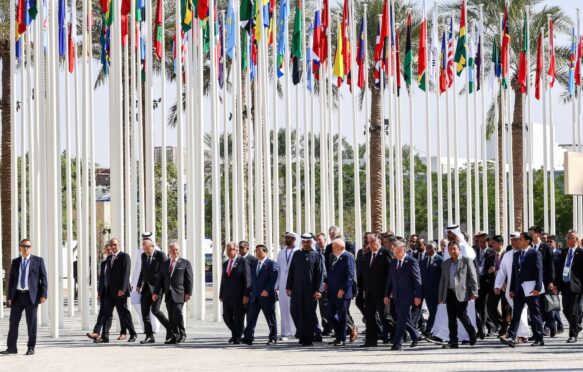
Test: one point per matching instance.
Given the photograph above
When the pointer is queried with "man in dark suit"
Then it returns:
(323, 301)
(264, 274)
(405, 289)
(340, 281)
(118, 290)
(234, 291)
(150, 271)
(493, 299)
(244, 252)
(101, 322)
(27, 287)
(175, 282)
(375, 271)
(458, 285)
(430, 275)
(485, 262)
(526, 285)
(570, 270)
(548, 275)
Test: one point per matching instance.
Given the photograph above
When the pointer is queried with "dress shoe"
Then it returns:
(246, 341)
(531, 338)
(102, 341)
(473, 340)
(339, 343)
(450, 346)
(307, 343)
(508, 341)
(172, 341)
(317, 338)
(553, 332)
(92, 336)
(272, 341)
(8, 352)
(415, 342)
(121, 337)
(396, 347)
(572, 340)
(181, 339)
(148, 340)
(353, 334)
(481, 335)
(434, 340)
(231, 340)
(30, 351)
(236, 341)
(367, 345)
(538, 343)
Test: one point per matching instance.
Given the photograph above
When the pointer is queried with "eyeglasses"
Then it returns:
(27, 246)
(571, 237)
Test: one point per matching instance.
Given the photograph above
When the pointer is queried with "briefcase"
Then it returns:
(551, 302)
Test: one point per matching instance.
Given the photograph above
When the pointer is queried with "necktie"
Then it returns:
(497, 265)
(429, 261)
(334, 260)
(399, 265)
(149, 260)
(374, 256)
(521, 259)
(258, 267)
(229, 267)
(567, 265)
(113, 259)
(172, 263)
(23, 266)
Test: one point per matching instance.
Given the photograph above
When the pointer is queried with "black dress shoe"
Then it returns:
(307, 343)
(231, 340)
(172, 341)
(30, 351)
(317, 338)
(271, 341)
(246, 341)
(481, 335)
(181, 339)
(102, 341)
(538, 343)
(415, 342)
(339, 343)
(508, 341)
(473, 340)
(572, 340)
(368, 345)
(531, 338)
(450, 346)
(396, 347)
(8, 352)
(148, 340)
(133, 338)
(435, 340)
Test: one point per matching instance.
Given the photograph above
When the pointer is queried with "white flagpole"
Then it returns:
(148, 161)
(545, 145)
(476, 137)
(266, 153)
(324, 201)
(298, 157)
(447, 140)
(390, 134)
(457, 218)
(530, 132)
(303, 89)
(579, 198)
(339, 158)
(525, 129)
(134, 123)
(412, 227)
(330, 127)
(428, 177)
(503, 145)
(367, 127)
(483, 127)
(12, 156)
(289, 220)
(237, 104)
(69, 196)
(551, 152)
(23, 118)
(257, 147)
(163, 153)
(227, 182)
(128, 229)
(440, 226)
(250, 181)
(275, 134)
(355, 125)
(469, 227)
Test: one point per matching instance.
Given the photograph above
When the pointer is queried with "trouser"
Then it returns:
(547, 316)
(101, 322)
(457, 310)
(432, 308)
(492, 307)
(481, 302)
(268, 308)
(323, 305)
(360, 303)
(417, 317)
(20, 303)
(125, 317)
(572, 310)
(338, 315)
(175, 318)
(404, 321)
(506, 313)
(535, 316)
(376, 311)
(152, 307)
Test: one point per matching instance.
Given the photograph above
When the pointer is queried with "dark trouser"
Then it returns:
(417, 318)
(150, 307)
(375, 307)
(268, 308)
(557, 317)
(506, 313)
(101, 322)
(432, 307)
(125, 317)
(323, 305)
(457, 310)
(481, 315)
(535, 316)
(234, 316)
(175, 318)
(572, 310)
(337, 316)
(20, 303)
(492, 307)
(404, 321)
(361, 304)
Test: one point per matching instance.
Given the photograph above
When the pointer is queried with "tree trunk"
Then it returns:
(517, 159)
(376, 162)
(6, 163)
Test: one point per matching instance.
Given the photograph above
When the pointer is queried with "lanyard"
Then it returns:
(287, 257)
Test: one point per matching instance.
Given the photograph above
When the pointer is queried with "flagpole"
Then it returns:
(289, 220)
(227, 181)
(12, 155)
(68, 176)
(525, 130)
(268, 205)
(238, 107)
(258, 143)
(324, 201)
(578, 139)
(366, 126)
(390, 135)
(469, 227)
(551, 149)
(485, 204)
(440, 225)
(545, 131)
(383, 143)
(180, 136)
(355, 123)
(503, 146)
(330, 125)
(476, 140)
(307, 182)
(428, 177)
(339, 156)
(23, 117)
(298, 157)
(448, 138)
(457, 219)
(399, 153)
(275, 170)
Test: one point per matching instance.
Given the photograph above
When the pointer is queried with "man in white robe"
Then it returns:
(284, 258)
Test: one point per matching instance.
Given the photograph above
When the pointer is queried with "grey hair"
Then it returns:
(433, 244)
(174, 243)
(336, 229)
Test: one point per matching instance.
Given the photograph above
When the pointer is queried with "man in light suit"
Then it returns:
(27, 287)
(457, 286)
(175, 282)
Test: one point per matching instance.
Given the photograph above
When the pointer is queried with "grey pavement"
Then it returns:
(206, 349)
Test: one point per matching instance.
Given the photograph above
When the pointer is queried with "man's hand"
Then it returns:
(417, 301)
(552, 288)
(120, 293)
(264, 294)
(245, 300)
(387, 301)
(497, 291)
(474, 296)
(491, 270)
(511, 294)
(186, 297)
(340, 294)
(317, 295)
(325, 286)
(154, 297)
(139, 289)
(535, 293)
(42, 300)
(441, 302)
(288, 292)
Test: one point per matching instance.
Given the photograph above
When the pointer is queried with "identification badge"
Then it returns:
(566, 272)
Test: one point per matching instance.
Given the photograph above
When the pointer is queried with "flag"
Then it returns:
(338, 60)
(61, 19)
(539, 66)
(479, 60)
(422, 52)
(522, 59)
(471, 61)
(186, 14)
(72, 39)
(360, 57)
(572, 61)
(281, 39)
(433, 51)
(220, 53)
(505, 53)
(203, 9)
(245, 10)
(450, 55)
(32, 11)
(296, 49)
(126, 7)
(408, 62)
(158, 30)
(346, 41)
(309, 52)
(381, 45)
(392, 36)
(324, 36)
(495, 68)
(230, 36)
(462, 43)
(398, 62)
(20, 18)
(552, 63)
(314, 58)
(378, 66)
(317, 36)
(443, 67)
(579, 62)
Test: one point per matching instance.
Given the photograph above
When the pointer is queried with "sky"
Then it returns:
(561, 115)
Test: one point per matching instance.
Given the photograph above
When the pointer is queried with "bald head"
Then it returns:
(338, 246)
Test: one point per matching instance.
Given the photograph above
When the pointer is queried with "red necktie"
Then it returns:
(229, 267)
(172, 266)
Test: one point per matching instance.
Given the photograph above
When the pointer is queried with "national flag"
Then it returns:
(461, 52)
(338, 60)
(398, 62)
(62, 9)
(383, 40)
(522, 68)
(346, 41)
(72, 39)
(314, 58)
(579, 62)
(378, 66)
(443, 67)
(572, 61)
(539, 66)
(245, 11)
(32, 11)
(230, 36)
(281, 39)
(360, 55)
(478, 60)
(450, 55)
(220, 54)
(18, 50)
(186, 7)
(552, 72)
(408, 62)
(505, 53)
(433, 49)
(21, 10)
(317, 36)
(471, 61)
(158, 30)
(296, 49)
(422, 52)
(495, 67)
(203, 9)
(126, 8)
(309, 52)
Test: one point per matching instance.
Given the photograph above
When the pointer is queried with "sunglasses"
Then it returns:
(26, 246)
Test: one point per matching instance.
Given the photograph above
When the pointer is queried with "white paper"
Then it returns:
(528, 287)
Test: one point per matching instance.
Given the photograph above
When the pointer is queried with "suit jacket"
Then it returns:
(430, 276)
(328, 252)
(264, 280)
(175, 284)
(238, 284)
(531, 270)
(404, 284)
(101, 280)
(548, 263)
(489, 257)
(37, 278)
(375, 277)
(576, 276)
(250, 259)
(119, 274)
(466, 280)
(418, 255)
(149, 272)
(341, 275)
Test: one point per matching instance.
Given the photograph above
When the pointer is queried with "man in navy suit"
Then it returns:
(430, 275)
(404, 288)
(570, 279)
(264, 273)
(340, 279)
(527, 269)
(27, 287)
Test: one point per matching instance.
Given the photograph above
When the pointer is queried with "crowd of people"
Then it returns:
(448, 293)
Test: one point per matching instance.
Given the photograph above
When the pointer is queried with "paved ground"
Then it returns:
(206, 349)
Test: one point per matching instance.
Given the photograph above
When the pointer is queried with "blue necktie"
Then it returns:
(568, 264)
(521, 260)
(23, 266)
